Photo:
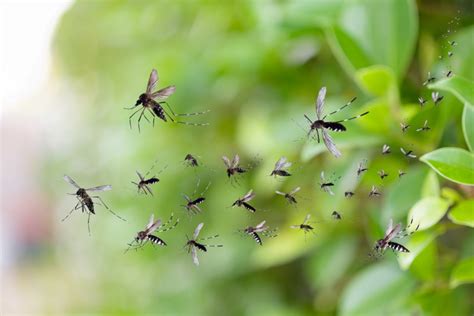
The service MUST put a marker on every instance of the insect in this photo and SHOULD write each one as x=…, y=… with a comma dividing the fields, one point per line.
x=408, y=154
x=85, y=202
x=425, y=127
x=404, y=127
x=386, y=149
x=321, y=124
x=193, y=245
x=382, y=174
x=452, y=43
x=362, y=167
x=191, y=161
x=401, y=173
x=192, y=205
x=152, y=227
x=374, y=191
x=242, y=202
x=153, y=103
x=437, y=98
x=421, y=101
x=305, y=226
x=262, y=229
x=144, y=183
x=280, y=167
x=349, y=194
x=326, y=185
x=449, y=73
x=430, y=79
x=391, y=233
x=290, y=197
x=335, y=215
x=233, y=167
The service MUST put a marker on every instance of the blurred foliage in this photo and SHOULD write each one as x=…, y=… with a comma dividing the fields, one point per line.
x=257, y=65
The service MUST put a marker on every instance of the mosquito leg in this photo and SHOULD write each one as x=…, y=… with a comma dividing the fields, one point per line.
x=317, y=133
x=184, y=114
x=140, y=118
x=130, y=118
x=153, y=116
x=341, y=108
x=73, y=209
x=181, y=122
x=105, y=205
x=353, y=118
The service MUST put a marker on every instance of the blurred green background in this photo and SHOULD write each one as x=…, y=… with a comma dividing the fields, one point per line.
x=257, y=65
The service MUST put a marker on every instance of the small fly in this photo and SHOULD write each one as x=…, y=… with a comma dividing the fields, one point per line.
x=144, y=182
x=391, y=233
x=349, y=194
x=321, y=125
x=386, y=149
x=326, y=185
x=259, y=229
x=85, y=202
x=421, y=101
x=362, y=167
x=401, y=173
x=404, y=127
x=408, y=154
x=290, y=197
x=242, y=202
x=192, y=204
x=305, y=226
x=382, y=174
x=437, y=98
x=424, y=128
x=430, y=79
x=191, y=161
x=374, y=192
x=194, y=244
x=280, y=167
x=337, y=216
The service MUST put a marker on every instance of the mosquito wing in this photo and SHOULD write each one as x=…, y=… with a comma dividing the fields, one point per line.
x=280, y=163
x=320, y=102
x=247, y=197
x=295, y=190
x=306, y=219
x=194, y=255
x=281, y=193
x=323, y=179
x=197, y=230
x=152, y=226
x=330, y=144
x=235, y=161
x=391, y=234
x=389, y=227
x=164, y=93
x=226, y=162
x=150, y=221
x=152, y=81
x=71, y=181
x=106, y=187
x=260, y=225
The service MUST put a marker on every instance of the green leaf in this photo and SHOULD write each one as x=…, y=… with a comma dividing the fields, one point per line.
x=468, y=126
x=359, y=41
x=428, y=211
x=454, y=164
x=377, y=80
x=383, y=282
x=461, y=87
x=463, y=213
x=463, y=273
x=430, y=186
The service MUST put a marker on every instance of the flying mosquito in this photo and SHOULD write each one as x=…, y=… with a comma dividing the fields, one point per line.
x=452, y=43
x=153, y=103
x=262, y=229
x=305, y=226
x=280, y=167
x=192, y=204
x=191, y=161
x=449, y=74
x=362, y=167
x=374, y=192
x=193, y=245
x=408, y=154
x=425, y=127
x=421, y=101
x=326, y=185
x=437, y=98
x=404, y=127
x=85, y=202
x=144, y=182
x=386, y=149
x=290, y=197
x=242, y=202
x=401, y=173
x=382, y=174
x=337, y=216
x=323, y=126
x=349, y=194
x=430, y=79
x=152, y=227
x=391, y=233
x=233, y=167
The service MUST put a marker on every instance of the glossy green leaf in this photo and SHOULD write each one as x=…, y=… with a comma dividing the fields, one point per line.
x=428, y=211
x=461, y=87
x=463, y=273
x=468, y=126
x=463, y=213
x=377, y=80
x=454, y=164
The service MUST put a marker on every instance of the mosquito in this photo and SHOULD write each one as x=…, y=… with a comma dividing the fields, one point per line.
x=144, y=182
x=421, y=101
x=437, y=98
x=323, y=126
x=193, y=245
x=233, y=167
x=362, y=167
x=305, y=226
x=337, y=216
x=262, y=229
x=382, y=174
x=430, y=79
x=192, y=204
x=404, y=127
x=153, y=103
x=290, y=197
x=425, y=127
x=85, y=202
x=401, y=173
x=326, y=185
x=242, y=202
x=349, y=194
x=391, y=233
x=374, y=192
x=449, y=74
x=386, y=149
x=452, y=43
x=280, y=167
x=191, y=161
x=152, y=227
x=408, y=154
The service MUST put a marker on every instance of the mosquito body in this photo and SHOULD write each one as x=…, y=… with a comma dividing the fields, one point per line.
x=191, y=161
x=259, y=229
x=85, y=201
x=408, y=154
x=242, y=202
x=146, y=235
x=404, y=127
x=401, y=173
x=280, y=167
x=305, y=226
x=195, y=244
x=382, y=174
x=391, y=233
x=449, y=74
x=233, y=167
x=386, y=149
x=290, y=196
x=374, y=192
x=421, y=101
x=326, y=185
x=337, y=216
x=436, y=97
x=424, y=128
x=430, y=79
x=144, y=183
x=153, y=103
x=192, y=204
x=349, y=194
x=362, y=167
x=321, y=125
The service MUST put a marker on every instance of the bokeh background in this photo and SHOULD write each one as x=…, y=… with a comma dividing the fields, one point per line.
x=257, y=65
